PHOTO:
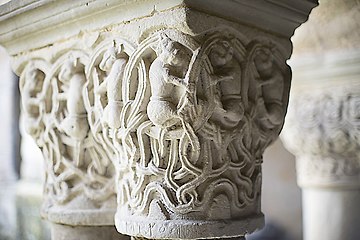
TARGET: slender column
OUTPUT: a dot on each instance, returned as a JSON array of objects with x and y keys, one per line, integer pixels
[
  {"x": 322, "y": 124},
  {"x": 166, "y": 103},
  {"x": 7, "y": 157},
  {"x": 322, "y": 130}
]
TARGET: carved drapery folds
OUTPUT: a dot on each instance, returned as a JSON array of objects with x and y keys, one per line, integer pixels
[{"x": 178, "y": 122}]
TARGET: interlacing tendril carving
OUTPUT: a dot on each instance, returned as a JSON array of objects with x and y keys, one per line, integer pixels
[
  {"x": 53, "y": 102},
  {"x": 181, "y": 134},
  {"x": 184, "y": 120}
]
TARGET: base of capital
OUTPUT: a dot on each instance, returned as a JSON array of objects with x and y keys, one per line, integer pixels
[
  {"x": 188, "y": 229},
  {"x": 81, "y": 211},
  {"x": 80, "y": 217},
  {"x": 67, "y": 232}
]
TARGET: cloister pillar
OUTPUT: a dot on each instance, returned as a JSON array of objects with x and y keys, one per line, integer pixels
[
  {"x": 167, "y": 104},
  {"x": 322, "y": 127}
]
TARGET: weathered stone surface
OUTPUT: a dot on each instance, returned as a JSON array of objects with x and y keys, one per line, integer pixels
[{"x": 168, "y": 107}]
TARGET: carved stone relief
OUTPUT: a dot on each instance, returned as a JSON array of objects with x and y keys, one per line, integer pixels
[
  {"x": 186, "y": 120},
  {"x": 179, "y": 123},
  {"x": 79, "y": 174},
  {"x": 159, "y": 112}
]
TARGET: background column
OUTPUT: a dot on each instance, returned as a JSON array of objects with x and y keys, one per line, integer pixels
[{"x": 322, "y": 127}]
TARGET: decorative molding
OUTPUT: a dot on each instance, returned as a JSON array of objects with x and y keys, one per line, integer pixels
[
  {"x": 280, "y": 17},
  {"x": 36, "y": 18},
  {"x": 332, "y": 66}
]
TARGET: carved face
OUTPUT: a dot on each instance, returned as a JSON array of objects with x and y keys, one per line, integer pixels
[
  {"x": 264, "y": 62},
  {"x": 221, "y": 54},
  {"x": 32, "y": 77},
  {"x": 175, "y": 54},
  {"x": 69, "y": 69}
]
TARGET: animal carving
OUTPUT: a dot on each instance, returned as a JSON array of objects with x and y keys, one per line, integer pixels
[
  {"x": 113, "y": 62},
  {"x": 75, "y": 123},
  {"x": 227, "y": 73},
  {"x": 167, "y": 76}
]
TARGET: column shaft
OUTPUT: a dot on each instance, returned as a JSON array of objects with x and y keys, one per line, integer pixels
[{"x": 331, "y": 214}]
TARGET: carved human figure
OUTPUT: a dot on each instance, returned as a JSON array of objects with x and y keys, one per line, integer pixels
[
  {"x": 75, "y": 123},
  {"x": 31, "y": 89},
  {"x": 270, "y": 89},
  {"x": 167, "y": 75},
  {"x": 113, "y": 63},
  {"x": 227, "y": 73}
]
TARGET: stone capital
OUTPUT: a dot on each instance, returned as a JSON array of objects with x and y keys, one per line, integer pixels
[
  {"x": 167, "y": 104},
  {"x": 323, "y": 122}
]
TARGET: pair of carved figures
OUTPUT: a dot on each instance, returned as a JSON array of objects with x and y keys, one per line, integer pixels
[{"x": 184, "y": 120}]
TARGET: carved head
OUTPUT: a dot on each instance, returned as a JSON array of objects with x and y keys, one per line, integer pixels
[
  {"x": 33, "y": 80},
  {"x": 70, "y": 68},
  {"x": 110, "y": 57},
  {"x": 264, "y": 62},
  {"x": 172, "y": 52},
  {"x": 221, "y": 54}
]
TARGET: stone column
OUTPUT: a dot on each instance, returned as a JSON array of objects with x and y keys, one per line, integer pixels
[
  {"x": 322, "y": 124},
  {"x": 8, "y": 137},
  {"x": 168, "y": 104}
]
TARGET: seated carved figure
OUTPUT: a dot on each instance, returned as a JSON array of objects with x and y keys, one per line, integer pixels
[
  {"x": 270, "y": 89},
  {"x": 167, "y": 78},
  {"x": 113, "y": 62},
  {"x": 227, "y": 73},
  {"x": 31, "y": 98},
  {"x": 75, "y": 123}
]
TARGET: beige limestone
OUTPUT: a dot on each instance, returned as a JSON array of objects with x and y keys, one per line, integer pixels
[
  {"x": 333, "y": 26},
  {"x": 166, "y": 104}
]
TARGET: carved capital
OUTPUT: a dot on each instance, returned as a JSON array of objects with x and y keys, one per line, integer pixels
[
  {"x": 79, "y": 172},
  {"x": 323, "y": 123},
  {"x": 184, "y": 119},
  {"x": 172, "y": 106},
  {"x": 191, "y": 138}
]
